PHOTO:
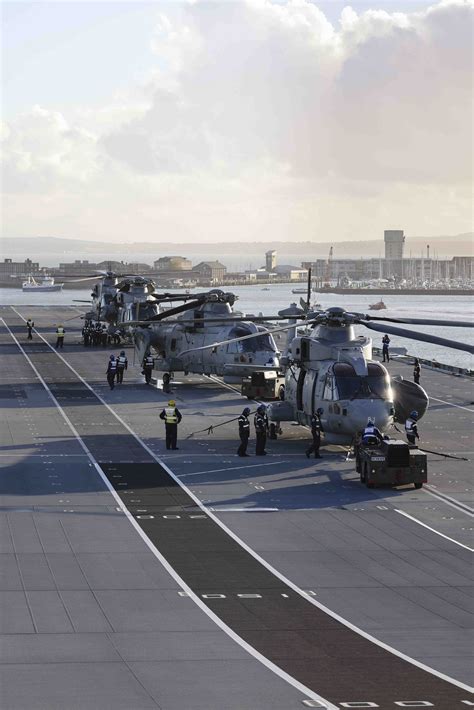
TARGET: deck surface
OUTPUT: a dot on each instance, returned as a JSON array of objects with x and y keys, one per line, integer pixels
[{"x": 135, "y": 577}]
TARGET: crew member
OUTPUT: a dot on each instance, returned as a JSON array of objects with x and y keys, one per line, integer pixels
[
  {"x": 122, "y": 364},
  {"x": 371, "y": 435},
  {"x": 416, "y": 371},
  {"x": 316, "y": 428},
  {"x": 385, "y": 344},
  {"x": 104, "y": 336},
  {"x": 30, "y": 325},
  {"x": 244, "y": 432},
  {"x": 148, "y": 363},
  {"x": 111, "y": 371},
  {"x": 60, "y": 333},
  {"x": 172, "y": 417},
  {"x": 261, "y": 424},
  {"x": 86, "y": 334},
  {"x": 411, "y": 429}
]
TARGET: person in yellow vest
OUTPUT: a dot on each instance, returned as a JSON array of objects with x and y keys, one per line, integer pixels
[
  {"x": 172, "y": 417},
  {"x": 60, "y": 333}
]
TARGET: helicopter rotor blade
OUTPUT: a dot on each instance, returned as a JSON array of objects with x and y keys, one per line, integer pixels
[
  {"x": 237, "y": 340},
  {"x": 424, "y": 321},
  {"x": 414, "y": 335}
]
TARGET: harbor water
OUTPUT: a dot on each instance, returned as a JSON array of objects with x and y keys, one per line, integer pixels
[{"x": 269, "y": 300}]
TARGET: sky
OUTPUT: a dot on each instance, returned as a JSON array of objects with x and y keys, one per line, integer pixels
[{"x": 236, "y": 121}]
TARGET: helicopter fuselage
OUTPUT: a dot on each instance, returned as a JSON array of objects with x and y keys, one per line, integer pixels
[{"x": 334, "y": 371}]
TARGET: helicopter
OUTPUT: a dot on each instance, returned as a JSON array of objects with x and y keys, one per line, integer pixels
[
  {"x": 331, "y": 369},
  {"x": 202, "y": 319}
]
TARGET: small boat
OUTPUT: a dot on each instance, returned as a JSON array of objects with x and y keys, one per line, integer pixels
[
  {"x": 265, "y": 289},
  {"x": 379, "y": 306},
  {"x": 44, "y": 283},
  {"x": 299, "y": 290}
]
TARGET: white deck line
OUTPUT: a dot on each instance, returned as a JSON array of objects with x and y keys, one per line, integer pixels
[
  {"x": 262, "y": 561},
  {"x": 437, "y": 532},
  {"x": 233, "y": 468},
  {"x": 246, "y": 646},
  {"x": 451, "y": 404}
]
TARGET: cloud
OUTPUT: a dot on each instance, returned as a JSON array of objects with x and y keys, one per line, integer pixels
[{"x": 271, "y": 103}]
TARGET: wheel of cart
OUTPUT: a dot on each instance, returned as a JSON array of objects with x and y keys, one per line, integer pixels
[{"x": 418, "y": 485}]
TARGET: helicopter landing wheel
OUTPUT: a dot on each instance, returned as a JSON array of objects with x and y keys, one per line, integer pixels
[
  {"x": 273, "y": 432},
  {"x": 166, "y": 379},
  {"x": 281, "y": 393}
]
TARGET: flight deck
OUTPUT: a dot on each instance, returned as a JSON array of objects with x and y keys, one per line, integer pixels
[{"x": 136, "y": 577}]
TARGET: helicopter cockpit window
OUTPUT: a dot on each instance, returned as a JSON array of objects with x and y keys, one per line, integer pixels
[
  {"x": 252, "y": 345},
  {"x": 378, "y": 381},
  {"x": 330, "y": 390},
  {"x": 348, "y": 383}
]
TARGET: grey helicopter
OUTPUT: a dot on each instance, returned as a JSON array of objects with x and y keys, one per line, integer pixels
[
  {"x": 181, "y": 343},
  {"x": 330, "y": 369},
  {"x": 119, "y": 298}
]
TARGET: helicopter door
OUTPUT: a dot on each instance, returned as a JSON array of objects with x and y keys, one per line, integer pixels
[{"x": 299, "y": 390}]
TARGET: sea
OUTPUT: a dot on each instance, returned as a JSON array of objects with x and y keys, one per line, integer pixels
[{"x": 268, "y": 300}]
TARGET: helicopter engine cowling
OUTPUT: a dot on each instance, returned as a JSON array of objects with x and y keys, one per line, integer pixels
[{"x": 408, "y": 396}]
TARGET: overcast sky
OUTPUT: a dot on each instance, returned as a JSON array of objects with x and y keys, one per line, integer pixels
[{"x": 258, "y": 120}]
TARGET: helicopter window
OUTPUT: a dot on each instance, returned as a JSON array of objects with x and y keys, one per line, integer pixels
[
  {"x": 252, "y": 345},
  {"x": 330, "y": 388},
  {"x": 348, "y": 383},
  {"x": 378, "y": 381},
  {"x": 173, "y": 344}
]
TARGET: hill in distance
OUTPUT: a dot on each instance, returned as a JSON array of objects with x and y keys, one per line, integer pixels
[{"x": 50, "y": 251}]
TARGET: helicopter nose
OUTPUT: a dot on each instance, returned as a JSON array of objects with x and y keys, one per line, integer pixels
[{"x": 379, "y": 410}]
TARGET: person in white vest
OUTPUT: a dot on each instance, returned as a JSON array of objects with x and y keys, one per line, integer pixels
[
  {"x": 122, "y": 364},
  {"x": 111, "y": 371},
  {"x": 411, "y": 429},
  {"x": 172, "y": 417},
  {"x": 371, "y": 435},
  {"x": 147, "y": 364}
]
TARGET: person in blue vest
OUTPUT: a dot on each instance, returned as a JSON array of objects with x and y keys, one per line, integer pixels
[
  {"x": 411, "y": 428},
  {"x": 371, "y": 435},
  {"x": 172, "y": 417},
  {"x": 244, "y": 432},
  {"x": 122, "y": 365},
  {"x": 111, "y": 371},
  {"x": 148, "y": 364}
]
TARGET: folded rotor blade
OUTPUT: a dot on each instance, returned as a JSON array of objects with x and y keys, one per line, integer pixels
[
  {"x": 237, "y": 340},
  {"x": 414, "y": 335},
  {"x": 425, "y": 321}
]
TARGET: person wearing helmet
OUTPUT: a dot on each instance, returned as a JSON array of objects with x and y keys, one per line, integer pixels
[
  {"x": 148, "y": 364},
  {"x": 316, "y": 428},
  {"x": 60, "y": 333},
  {"x": 172, "y": 417},
  {"x": 260, "y": 422},
  {"x": 411, "y": 429},
  {"x": 371, "y": 435},
  {"x": 385, "y": 344},
  {"x": 122, "y": 364},
  {"x": 30, "y": 325},
  {"x": 244, "y": 432},
  {"x": 111, "y": 371}
]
